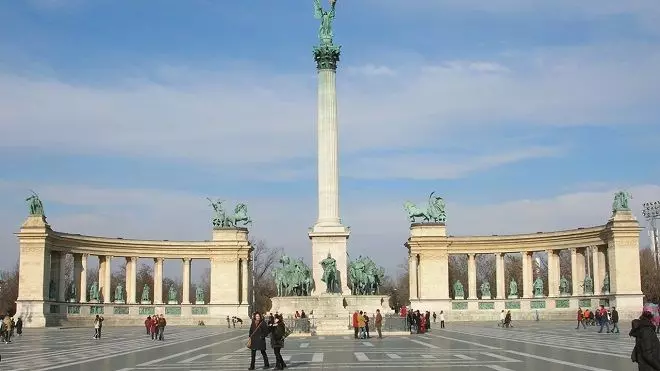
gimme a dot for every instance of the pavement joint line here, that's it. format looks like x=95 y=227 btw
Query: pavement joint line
x=428 y=345
x=189 y=351
x=558 y=361
x=467 y=342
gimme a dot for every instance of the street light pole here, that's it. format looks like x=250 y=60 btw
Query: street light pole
x=651 y=211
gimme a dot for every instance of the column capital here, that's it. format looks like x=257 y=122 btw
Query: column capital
x=471 y=255
x=159 y=260
x=186 y=259
x=327 y=56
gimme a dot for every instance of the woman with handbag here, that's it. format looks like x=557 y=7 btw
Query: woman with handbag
x=277 y=336
x=257 y=340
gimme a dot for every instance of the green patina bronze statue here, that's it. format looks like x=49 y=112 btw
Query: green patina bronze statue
x=199 y=295
x=52 y=291
x=222 y=220
x=119 y=293
x=459 y=292
x=513 y=288
x=621 y=201
x=365 y=277
x=330 y=276
x=485 y=290
x=538 y=287
x=563 y=286
x=146 y=293
x=94 y=291
x=71 y=292
x=35 y=205
x=293 y=278
x=606 y=284
x=326 y=18
x=171 y=293
x=434 y=213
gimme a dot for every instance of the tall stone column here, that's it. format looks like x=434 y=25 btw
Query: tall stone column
x=595 y=270
x=472 y=277
x=412 y=276
x=77 y=267
x=528 y=277
x=329 y=237
x=185 y=292
x=101 y=278
x=553 y=282
x=245 y=279
x=158 y=281
x=575 y=280
x=107 y=280
x=499 y=275
x=57 y=275
x=602 y=261
x=131 y=279
x=82 y=288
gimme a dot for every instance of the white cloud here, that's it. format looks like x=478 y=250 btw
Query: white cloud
x=378 y=223
x=238 y=120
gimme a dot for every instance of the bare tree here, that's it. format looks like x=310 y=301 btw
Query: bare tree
x=397 y=288
x=144 y=276
x=458 y=271
x=68 y=268
x=264 y=260
x=650 y=276
x=9 y=290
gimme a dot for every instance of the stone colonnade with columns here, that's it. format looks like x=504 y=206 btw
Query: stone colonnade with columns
x=42 y=296
x=611 y=249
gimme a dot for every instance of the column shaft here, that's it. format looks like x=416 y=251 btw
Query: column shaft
x=185 y=291
x=82 y=289
x=131 y=280
x=107 y=280
x=412 y=276
x=328 y=168
x=499 y=275
x=575 y=282
x=595 y=270
x=472 y=277
x=77 y=267
x=527 y=274
x=552 y=273
x=158 y=281
x=244 y=281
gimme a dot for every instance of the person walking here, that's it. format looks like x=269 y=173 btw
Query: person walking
x=366 y=325
x=361 y=324
x=601 y=315
x=147 y=324
x=153 y=328
x=646 y=352
x=580 y=319
x=277 y=335
x=356 y=323
x=442 y=319
x=502 y=315
x=615 y=320
x=434 y=317
x=378 y=321
x=507 y=319
x=19 y=326
x=97 y=327
x=161 y=327
x=257 y=340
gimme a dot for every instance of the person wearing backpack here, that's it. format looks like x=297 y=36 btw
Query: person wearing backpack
x=646 y=352
x=277 y=336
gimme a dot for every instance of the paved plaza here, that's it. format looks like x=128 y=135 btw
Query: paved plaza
x=535 y=346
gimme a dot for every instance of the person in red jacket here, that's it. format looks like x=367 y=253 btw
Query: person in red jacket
x=356 y=324
x=580 y=319
x=147 y=324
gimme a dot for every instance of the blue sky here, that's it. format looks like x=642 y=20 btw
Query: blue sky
x=526 y=116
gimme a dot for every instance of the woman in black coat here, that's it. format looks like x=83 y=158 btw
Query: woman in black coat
x=647 y=347
x=277 y=335
x=258 y=333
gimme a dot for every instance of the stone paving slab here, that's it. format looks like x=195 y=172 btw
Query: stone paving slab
x=538 y=346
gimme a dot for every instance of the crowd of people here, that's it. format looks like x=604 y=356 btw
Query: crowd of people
x=272 y=327
x=361 y=322
x=601 y=317
x=8 y=326
x=155 y=327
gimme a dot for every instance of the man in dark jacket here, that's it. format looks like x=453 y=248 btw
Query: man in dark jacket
x=615 y=320
x=647 y=346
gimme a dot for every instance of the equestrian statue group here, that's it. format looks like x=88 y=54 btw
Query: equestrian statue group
x=223 y=220
x=365 y=277
x=434 y=213
x=293 y=278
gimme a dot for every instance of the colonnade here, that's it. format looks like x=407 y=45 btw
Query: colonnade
x=592 y=259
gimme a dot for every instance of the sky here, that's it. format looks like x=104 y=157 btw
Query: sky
x=525 y=116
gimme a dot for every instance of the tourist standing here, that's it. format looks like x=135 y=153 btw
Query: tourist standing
x=434 y=317
x=646 y=352
x=507 y=319
x=379 y=323
x=277 y=335
x=19 y=326
x=615 y=320
x=161 y=327
x=153 y=328
x=361 y=335
x=580 y=319
x=97 y=326
x=442 y=319
x=6 y=328
x=257 y=340
x=502 y=316
x=366 y=325
x=147 y=324
x=356 y=324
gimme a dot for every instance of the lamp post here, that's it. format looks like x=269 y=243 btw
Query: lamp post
x=651 y=211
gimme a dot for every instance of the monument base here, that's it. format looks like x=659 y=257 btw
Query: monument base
x=329 y=240
x=120 y=302
x=513 y=297
x=145 y=302
x=199 y=302
x=331 y=313
x=171 y=302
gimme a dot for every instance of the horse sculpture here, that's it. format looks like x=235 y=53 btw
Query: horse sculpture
x=240 y=215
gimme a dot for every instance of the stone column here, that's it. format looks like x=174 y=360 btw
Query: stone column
x=602 y=262
x=245 y=279
x=82 y=288
x=575 y=281
x=158 y=281
x=412 y=276
x=131 y=280
x=527 y=274
x=185 y=294
x=553 y=284
x=77 y=267
x=107 y=280
x=595 y=270
x=472 y=277
x=499 y=276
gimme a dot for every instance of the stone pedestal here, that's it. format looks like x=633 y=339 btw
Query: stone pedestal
x=145 y=302
x=199 y=302
x=119 y=302
x=172 y=302
x=485 y=298
x=329 y=240
x=428 y=261
x=513 y=296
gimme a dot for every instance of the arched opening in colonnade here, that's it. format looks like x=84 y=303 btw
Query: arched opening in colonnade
x=201 y=277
